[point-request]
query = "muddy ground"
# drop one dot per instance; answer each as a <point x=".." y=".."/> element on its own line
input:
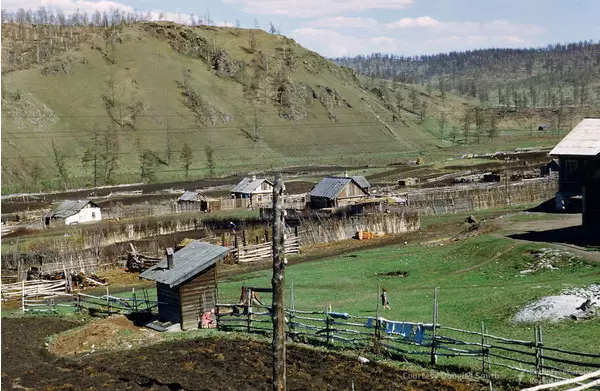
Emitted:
<point x="202" y="364"/>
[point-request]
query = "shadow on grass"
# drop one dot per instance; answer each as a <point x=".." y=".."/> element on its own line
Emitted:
<point x="574" y="235"/>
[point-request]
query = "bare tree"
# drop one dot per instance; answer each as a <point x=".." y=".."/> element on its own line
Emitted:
<point x="442" y="121"/>
<point x="272" y="28"/>
<point x="187" y="157"/>
<point x="60" y="161"/>
<point x="210" y="160"/>
<point x="465" y="123"/>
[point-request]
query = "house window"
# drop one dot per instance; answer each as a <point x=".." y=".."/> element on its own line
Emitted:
<point x="93" y="215"/>
<point x="259" y="198"/>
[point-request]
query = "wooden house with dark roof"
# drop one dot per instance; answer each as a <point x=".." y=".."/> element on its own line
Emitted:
<point x="186" y="283"/>
<point x="257" y="190"/>
<point x="335" y="192"/>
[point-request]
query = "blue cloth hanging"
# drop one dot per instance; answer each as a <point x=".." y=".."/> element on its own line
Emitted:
<point x="369" y="323"/>
<point x="407" y="330"/>
<point x="419" y="334"/>
<point x="390" y="327"/>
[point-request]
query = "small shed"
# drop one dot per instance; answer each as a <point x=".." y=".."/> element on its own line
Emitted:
<point x="186" y="283"/>
<point x="549" y="169"/>
<point x="408" y="181"/>
<point x="333" y="192"/>
<point x="258" y="190"/>
<point x="194" y="198"/>
<point x="362" y="181"/>
<point x="75" y="212"/>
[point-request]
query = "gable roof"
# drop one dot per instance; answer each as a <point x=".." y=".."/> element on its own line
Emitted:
<point x="331" y="187"/>
<point x="361" y="181"/>
<point x="69" y="208"/>
<point x="189" y="261"/>
<point x="583" y="140"/>
<point x="248" y="185"/>
<point x="191" y="196"/>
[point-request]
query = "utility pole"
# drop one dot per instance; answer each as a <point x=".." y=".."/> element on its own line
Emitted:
<point x="277" y="283"/>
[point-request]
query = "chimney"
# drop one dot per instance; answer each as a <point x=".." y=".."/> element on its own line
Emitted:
<point x="253" y="178"/>
<point x="170" y="262"/>
<point x="346" y="174"/>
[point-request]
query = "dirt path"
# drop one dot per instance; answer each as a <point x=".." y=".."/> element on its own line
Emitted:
<point x="477" y="266"/>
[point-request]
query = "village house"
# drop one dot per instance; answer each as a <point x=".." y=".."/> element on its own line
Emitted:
<point x="549" y="169"/>
<point x="334" y="192"/>
<point x="573" y="151"/>
<point x="186" y="283"/>
<point x="75" y="212"/>
<point x="362" y="181"/>
<point x="256" y="190"/>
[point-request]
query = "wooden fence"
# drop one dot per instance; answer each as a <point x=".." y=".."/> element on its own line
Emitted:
<point x="108" y="304"/>
<point x="33" y="288"/>
<point x="432" y="342"/>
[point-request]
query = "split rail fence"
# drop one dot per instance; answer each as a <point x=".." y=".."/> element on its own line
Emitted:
<point x="429" y="342"/>
<point x="258" y="252"/>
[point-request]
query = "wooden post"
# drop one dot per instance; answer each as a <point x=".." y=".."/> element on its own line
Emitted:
<point x="292" y="313"/>
<point x="433" y="342"/>
<point x="135" y="308"/>
<point x="274" y="216"/>
<point x="482" y="348"/>
<point x="277" y="282"/>
<point x="23" y="296"/>
<point x="537" y="353"/>
<point x="377" y="323"/>
<point x="249" y="308"/>
<point x="327" y="329"/>
<point x="244" y="238"/>
<point x="541" y="353"/>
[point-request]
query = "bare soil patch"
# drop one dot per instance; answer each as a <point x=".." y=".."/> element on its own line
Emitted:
<point x="201" y="364"/>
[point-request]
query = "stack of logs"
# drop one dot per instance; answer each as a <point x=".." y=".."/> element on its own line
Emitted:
<point x="137" y="262"/>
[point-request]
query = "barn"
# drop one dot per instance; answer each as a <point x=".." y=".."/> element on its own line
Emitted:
<point x="334" y="192"/>
<point x="258" y="190"/>
<point x="75" y="212"/>
<point x="591" y="198"/>
<point x="362" y="181"/>
<point x="186" y="283"/>
<point x="573" y="152"/>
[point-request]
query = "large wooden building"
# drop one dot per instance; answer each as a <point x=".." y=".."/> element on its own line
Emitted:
<point x="591" y="198"/>
<point x="335" y="192"/>
<point x="186" y="283"/>
<point x="573" y="152"/>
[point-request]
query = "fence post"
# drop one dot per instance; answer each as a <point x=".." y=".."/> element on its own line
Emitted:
<point x="433" y="340"/>
<point x="327" y="325"/>
<point x="23" y="296"/>
<point x="537" y="353"/>
<point x="135" y="307"/>
<point x="541" y="343"/>
<point x="249" y="307"/>
<point x="482" y="348"/>
<point x="292" y="313"/>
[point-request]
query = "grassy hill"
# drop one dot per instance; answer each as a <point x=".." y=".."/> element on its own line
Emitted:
<point x="127" y="101"/>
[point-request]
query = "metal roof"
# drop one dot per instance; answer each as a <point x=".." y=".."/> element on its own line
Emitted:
<point x="248" y="185"/>
<point x="583" y="140"/>
<point x="189" y="261"/>
<point x="191" y="196"/>
<point x="331" y="187"/>
<point x="69" y="208"/>
<point x="361" y="181"/>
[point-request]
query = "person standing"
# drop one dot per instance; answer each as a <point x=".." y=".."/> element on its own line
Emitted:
<point x="384" y="300"/>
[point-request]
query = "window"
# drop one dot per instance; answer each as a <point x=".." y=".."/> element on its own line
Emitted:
<point x="93" y="215"/>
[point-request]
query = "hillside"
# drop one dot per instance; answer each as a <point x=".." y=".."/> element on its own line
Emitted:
<point x="554" y="76"/>
<point x="164" y="102"/>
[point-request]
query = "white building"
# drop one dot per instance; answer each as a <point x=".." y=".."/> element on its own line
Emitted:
<point x="75" y="212"/>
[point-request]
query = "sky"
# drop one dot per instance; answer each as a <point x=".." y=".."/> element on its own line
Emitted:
<point x="336" y="28"/>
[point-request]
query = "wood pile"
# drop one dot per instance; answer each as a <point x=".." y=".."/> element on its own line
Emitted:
<point x="137" y="262"/>
<point x="257" y="252"/>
